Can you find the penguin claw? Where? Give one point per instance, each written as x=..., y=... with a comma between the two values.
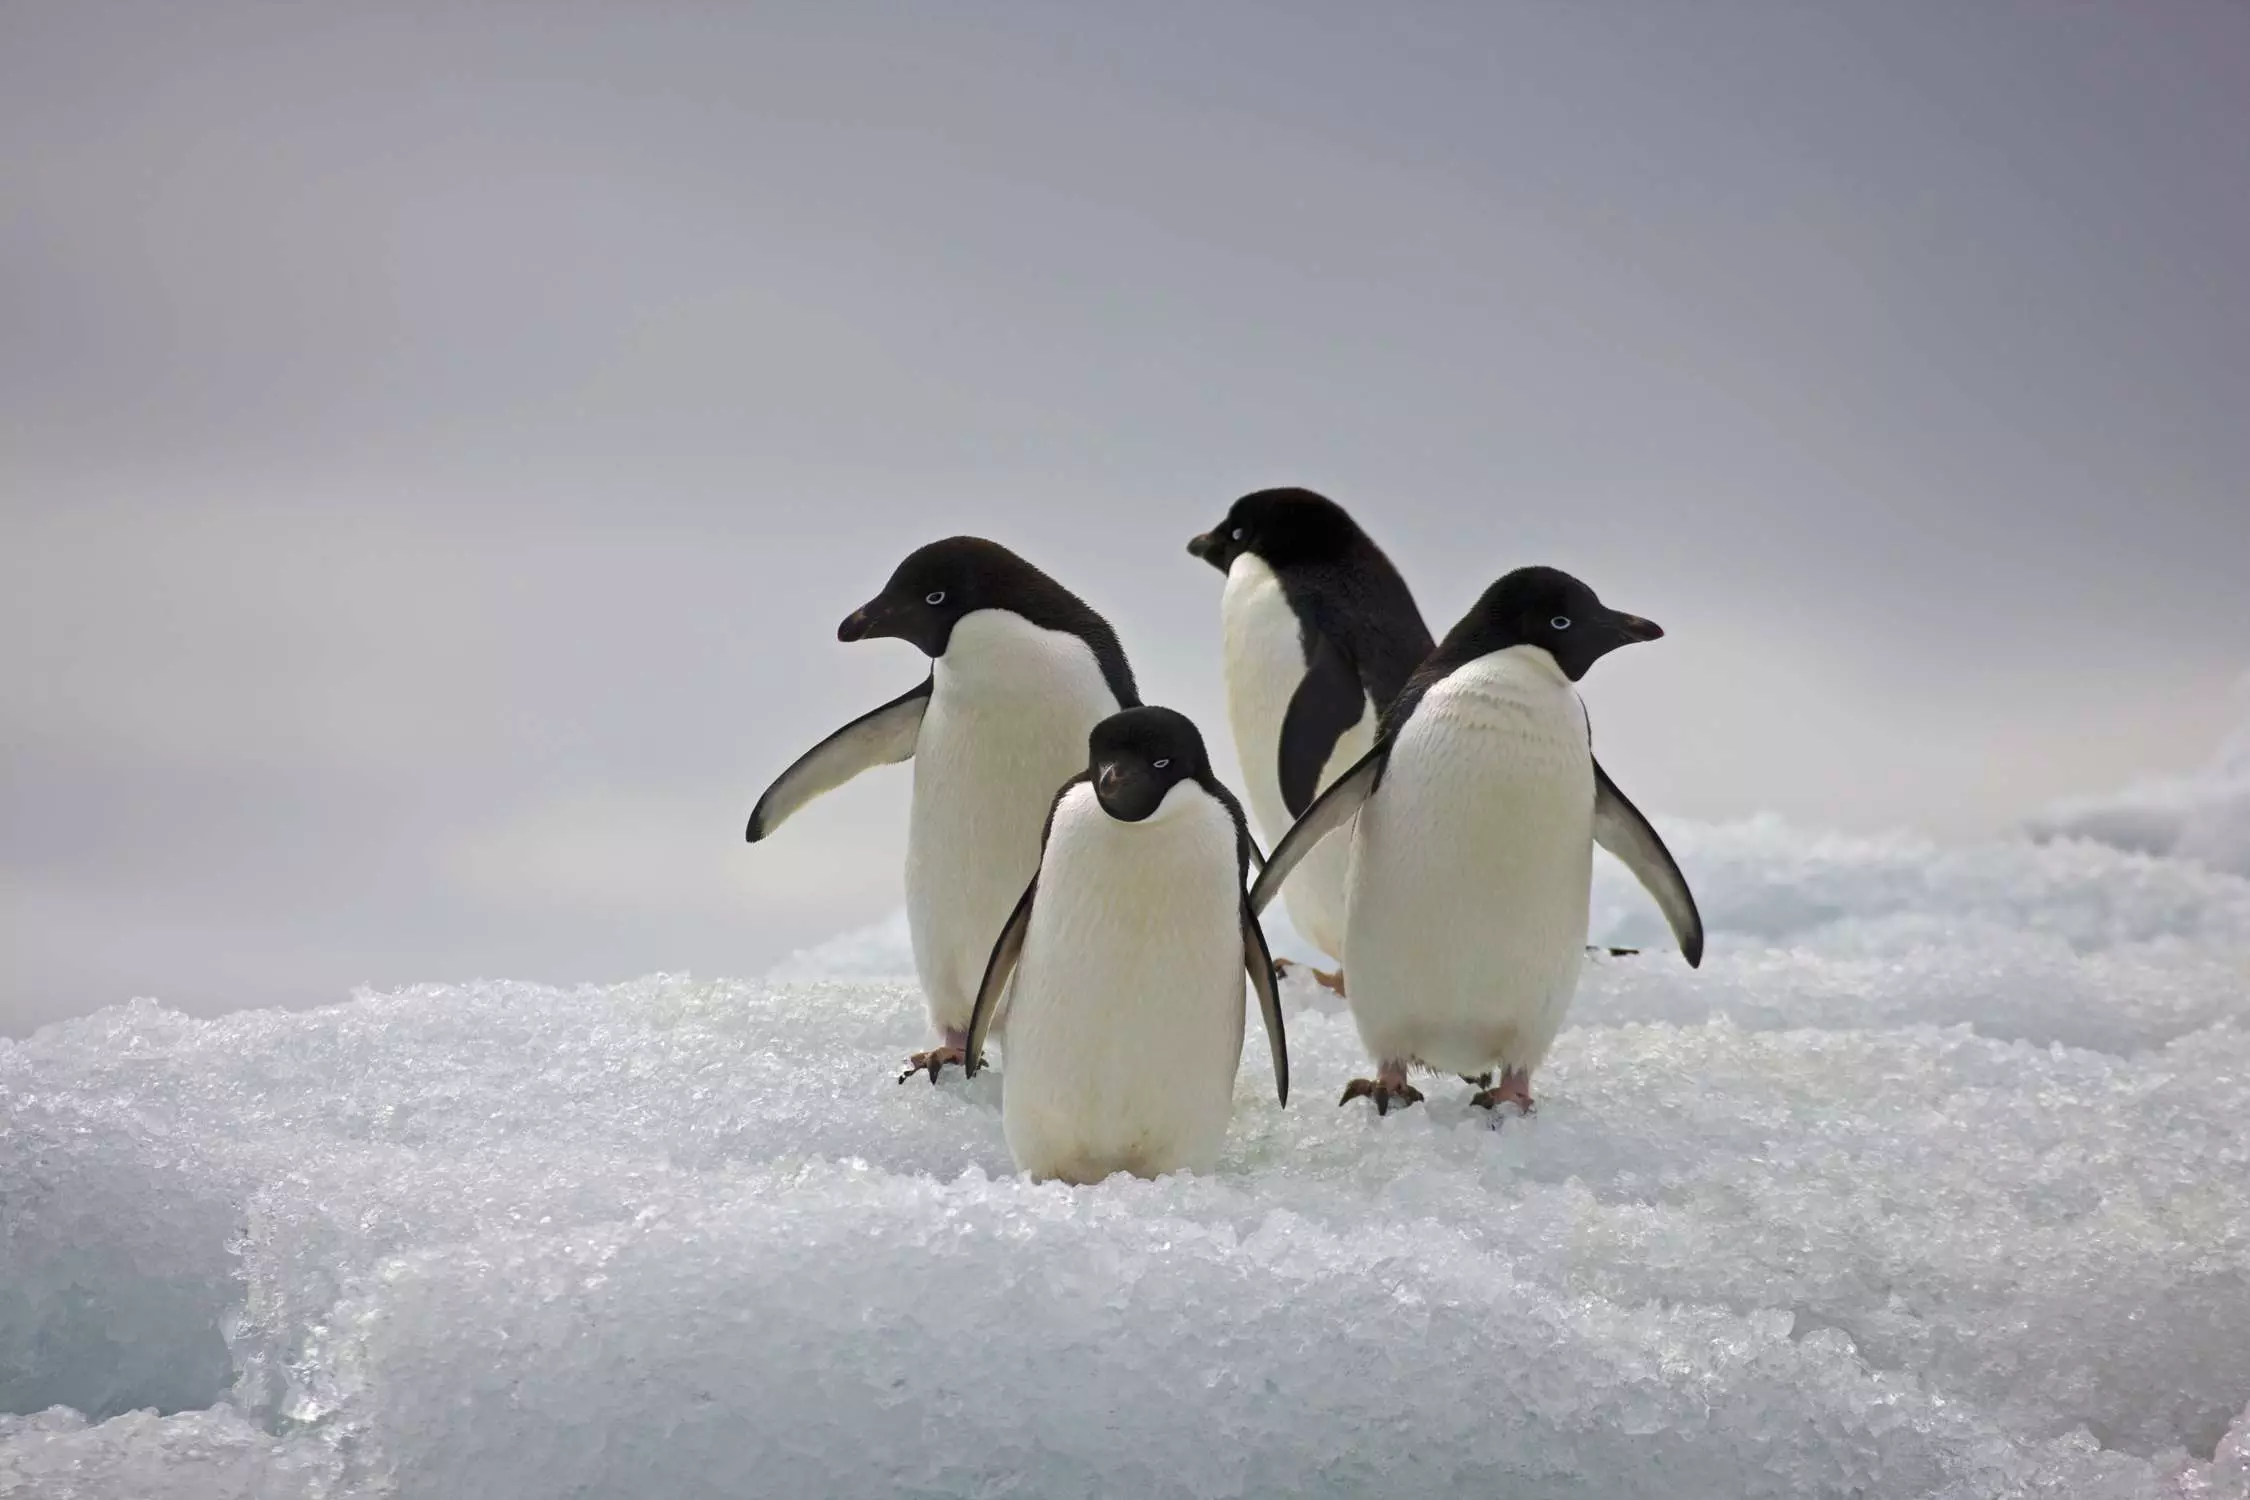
x=933, y=1062
x=1384, y=1093
x=1515, y=1088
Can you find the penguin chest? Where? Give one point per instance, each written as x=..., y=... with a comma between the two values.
x=1011, y=705
x=1264, y=656
x=1472, y=867
x=1125, y=1019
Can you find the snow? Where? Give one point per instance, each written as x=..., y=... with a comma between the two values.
x=2203, y=817
x=1935, y=1180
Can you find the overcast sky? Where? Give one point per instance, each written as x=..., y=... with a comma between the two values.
x=437, y=442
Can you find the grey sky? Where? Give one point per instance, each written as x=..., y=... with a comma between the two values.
x=437, y=442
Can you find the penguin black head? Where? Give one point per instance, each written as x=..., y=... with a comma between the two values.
x=1547, y=608
x=1282, y=526
x=936, y=586
x=1134, y=758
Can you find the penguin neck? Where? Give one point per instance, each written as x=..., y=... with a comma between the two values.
x=1537, y=661
x=1507, y=682
x=997, y=653
x=1526, y=662
x=1248, y=574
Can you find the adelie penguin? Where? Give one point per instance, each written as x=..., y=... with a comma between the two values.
x=1021, y=670
x=1128, y=949
x=1474, y=820
x=1320, y=635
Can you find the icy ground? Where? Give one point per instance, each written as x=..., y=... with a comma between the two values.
x=1934, y=1181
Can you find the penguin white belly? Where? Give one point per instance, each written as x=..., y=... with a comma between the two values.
x=1472, y=863
x=1264, y=655
x=1126, y=1015
x=1011, y=705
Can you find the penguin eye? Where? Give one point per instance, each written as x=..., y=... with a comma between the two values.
x=935, y=596
x=1559, y=622
x=1236, y=533
x=1161, y=764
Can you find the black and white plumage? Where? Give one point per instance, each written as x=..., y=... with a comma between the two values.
x=1473, y=824
x=1121, y=967
x=1021, y=671
x=1320, y=634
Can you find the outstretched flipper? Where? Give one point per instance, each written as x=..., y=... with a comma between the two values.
x=1620, y=828
x=1259, y=961
x=1328, y=701
x=881, y=738
x=1329, y=812
x=1005, y=952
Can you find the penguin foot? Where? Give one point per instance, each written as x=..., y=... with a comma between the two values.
x=1384, y=1094
x=1515, y=1088
x=1326, y=980
x=933, y=1062
x=1386, y=1088
x=1478, y=1080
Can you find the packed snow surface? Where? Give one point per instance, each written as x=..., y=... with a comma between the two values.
x=1935, y=1180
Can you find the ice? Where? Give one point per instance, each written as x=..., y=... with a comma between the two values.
x=114, y=1270
x=2202, y=817
x=1935, y=1180
x=202, y=1455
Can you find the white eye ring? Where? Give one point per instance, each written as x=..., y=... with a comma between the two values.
x=937, y=597
x=1560, y=622
x=1161, y=764
x=1236, y=533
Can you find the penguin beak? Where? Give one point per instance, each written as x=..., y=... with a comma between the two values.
x=870, y=619
x=1211, y=549
x=1126, y=790
x=1634, y=628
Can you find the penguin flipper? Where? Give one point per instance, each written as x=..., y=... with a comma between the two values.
x=1005, y=952
x=1328, y=701
x=881, y=737
x=1330, y=811
x=1259, y=961
x=1620, y=828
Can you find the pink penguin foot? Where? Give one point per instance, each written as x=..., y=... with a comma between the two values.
x=1386, y=1088
x=933, y=1062
x=1515, y=1088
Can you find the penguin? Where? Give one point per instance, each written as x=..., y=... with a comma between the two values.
x=1021, y=670
x=1128, y=948
x=1320, y=635
x=1473, y=824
